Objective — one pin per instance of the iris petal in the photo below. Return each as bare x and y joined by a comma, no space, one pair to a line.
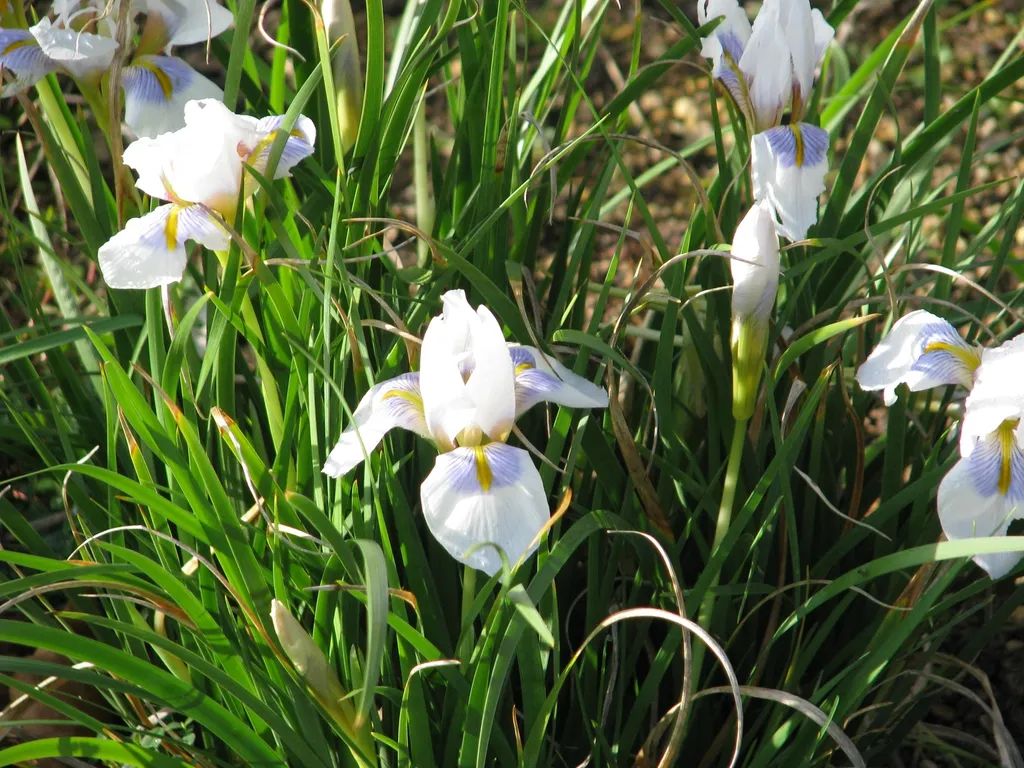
966,513
156,89
393,403
541,378
150,250
921,351
482,502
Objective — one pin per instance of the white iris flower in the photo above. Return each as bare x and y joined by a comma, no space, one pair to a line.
80,42
483,497
766,68
200,171
984,491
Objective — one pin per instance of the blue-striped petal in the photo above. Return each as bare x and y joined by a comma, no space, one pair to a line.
789,164
541,378
150,250
966,513
921,351
485,504
22,61
297,147
393,403
156,89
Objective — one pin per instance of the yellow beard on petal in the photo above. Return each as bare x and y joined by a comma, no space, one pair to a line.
969,357
1007,444
484,475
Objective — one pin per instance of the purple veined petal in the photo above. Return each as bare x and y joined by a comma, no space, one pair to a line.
156,89
922,351
789,164
393,403
996,463
150,250
965,513
477,500
542,378
996,395
22,61
297,147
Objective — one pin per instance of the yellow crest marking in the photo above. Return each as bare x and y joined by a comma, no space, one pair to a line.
969,357
484,475
162,78
1007,445
23,43
171,228
403,394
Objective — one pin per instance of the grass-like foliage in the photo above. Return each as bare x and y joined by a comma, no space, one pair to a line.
768,590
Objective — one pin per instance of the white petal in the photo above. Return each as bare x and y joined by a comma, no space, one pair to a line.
476,497
823,35
298,145
789,164
150,250
492,384
997,394
156,89
446,404
389,404
22,61
767,65
199,163
732,33
755,264
965,513
190,21
540,377
796,20
79,53
921,351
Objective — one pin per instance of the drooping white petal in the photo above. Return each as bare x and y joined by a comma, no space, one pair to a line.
477,500
150,250
541,378
966,513
755,264
80,54
921,351
491,385
189,21
997,394
789,164
156,89
389,404
22,61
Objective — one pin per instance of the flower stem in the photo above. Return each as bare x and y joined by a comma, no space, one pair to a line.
725,509
466,638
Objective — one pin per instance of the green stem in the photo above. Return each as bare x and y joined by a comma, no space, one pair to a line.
466,639
715,556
